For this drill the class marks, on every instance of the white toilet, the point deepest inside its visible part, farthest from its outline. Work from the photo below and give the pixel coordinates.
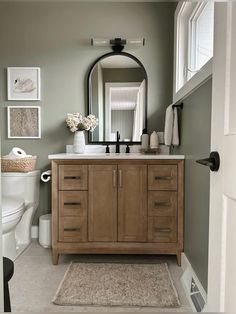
(20, 199)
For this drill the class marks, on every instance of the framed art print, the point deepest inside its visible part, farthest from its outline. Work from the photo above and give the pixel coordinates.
(24, 121)
(23, 83)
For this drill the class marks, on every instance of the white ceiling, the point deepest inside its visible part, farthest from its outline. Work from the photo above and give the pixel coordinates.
(124, 98)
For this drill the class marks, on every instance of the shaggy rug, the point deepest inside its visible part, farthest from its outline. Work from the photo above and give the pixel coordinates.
(113, 284)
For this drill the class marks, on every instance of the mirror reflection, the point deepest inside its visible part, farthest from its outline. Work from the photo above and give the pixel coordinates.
(117, 96)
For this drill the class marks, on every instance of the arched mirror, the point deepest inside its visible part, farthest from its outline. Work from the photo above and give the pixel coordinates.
(117, 96)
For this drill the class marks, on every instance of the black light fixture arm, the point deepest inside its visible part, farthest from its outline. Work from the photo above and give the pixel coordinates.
(118, 44)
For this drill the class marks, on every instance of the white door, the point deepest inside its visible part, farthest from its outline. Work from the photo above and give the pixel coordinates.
(139, 113)
(222, 232)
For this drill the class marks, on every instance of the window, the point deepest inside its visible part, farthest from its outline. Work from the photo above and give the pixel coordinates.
(201, 28)
(194, 30)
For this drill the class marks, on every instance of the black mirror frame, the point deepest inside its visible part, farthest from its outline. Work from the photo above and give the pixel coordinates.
(89, 95)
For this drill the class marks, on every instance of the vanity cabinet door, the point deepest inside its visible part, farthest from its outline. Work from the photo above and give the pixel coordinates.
(132, 203)
(102, 207)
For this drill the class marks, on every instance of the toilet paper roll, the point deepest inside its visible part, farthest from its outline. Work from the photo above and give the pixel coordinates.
(17, 152)
(46, 176)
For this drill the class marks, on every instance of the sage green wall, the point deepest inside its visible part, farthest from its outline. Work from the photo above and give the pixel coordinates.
(195, 130)
(56, 37)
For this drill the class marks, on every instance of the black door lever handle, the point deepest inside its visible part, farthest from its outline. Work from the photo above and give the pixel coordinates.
(213, 162)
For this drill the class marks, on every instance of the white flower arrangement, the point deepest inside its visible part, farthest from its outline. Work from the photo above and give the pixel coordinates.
(76, 122)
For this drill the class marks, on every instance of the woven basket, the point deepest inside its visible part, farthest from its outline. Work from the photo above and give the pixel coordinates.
(25, 164)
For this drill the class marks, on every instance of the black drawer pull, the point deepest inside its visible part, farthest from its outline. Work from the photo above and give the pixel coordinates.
(162, 204)
(72, 229)
(72, 177)
(72, 203)
(162, 178)
(163, 230)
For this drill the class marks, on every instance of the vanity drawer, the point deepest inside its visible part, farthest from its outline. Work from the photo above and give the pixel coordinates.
(162, 229)
(162, 177)
(73, 177)
(73, 203)
(162, 203)
(73, 229)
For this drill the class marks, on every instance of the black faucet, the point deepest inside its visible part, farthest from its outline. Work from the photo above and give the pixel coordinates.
(117, 142)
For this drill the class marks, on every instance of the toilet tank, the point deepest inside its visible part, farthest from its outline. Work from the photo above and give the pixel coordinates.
(24, 185)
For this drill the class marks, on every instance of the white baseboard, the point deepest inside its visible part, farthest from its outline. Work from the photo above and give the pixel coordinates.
(34, 232)
(186, 279)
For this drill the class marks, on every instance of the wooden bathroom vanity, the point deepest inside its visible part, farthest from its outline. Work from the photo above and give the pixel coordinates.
(117, 204)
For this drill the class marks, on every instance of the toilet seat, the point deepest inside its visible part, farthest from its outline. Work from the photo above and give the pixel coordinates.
(12, 208)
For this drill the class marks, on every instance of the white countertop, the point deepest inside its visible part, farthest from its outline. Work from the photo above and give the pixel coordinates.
(112, 156)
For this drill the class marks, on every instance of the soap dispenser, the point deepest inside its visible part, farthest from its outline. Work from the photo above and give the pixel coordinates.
(154, 141)
(144, 139)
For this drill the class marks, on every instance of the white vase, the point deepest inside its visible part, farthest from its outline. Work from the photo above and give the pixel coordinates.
(79, 142)
(154, 141)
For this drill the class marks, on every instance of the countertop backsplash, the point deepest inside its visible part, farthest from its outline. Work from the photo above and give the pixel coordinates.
(164, 150)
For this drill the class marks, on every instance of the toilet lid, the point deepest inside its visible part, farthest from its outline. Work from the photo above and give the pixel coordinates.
(11, 205)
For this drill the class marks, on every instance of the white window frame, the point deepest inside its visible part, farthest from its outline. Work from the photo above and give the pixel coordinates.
(186, 79)
(193, 28)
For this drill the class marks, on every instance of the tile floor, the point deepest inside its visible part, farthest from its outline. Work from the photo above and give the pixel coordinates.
(36, 280)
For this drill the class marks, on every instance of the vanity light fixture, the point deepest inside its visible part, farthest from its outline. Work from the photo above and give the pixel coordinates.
(117, 44)
(100, 42)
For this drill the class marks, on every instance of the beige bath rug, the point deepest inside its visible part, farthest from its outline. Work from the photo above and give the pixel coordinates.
(112, 284)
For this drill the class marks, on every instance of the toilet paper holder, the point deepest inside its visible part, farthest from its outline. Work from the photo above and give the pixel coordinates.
(46, 176)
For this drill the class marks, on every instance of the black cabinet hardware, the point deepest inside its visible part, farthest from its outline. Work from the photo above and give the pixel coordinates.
(164, 230)
(162, 178)
(72, 229)
(163, 204)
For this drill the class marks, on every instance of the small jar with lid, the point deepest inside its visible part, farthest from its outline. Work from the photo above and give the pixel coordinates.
(144, 139)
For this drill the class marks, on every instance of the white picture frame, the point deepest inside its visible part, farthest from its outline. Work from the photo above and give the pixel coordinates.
(24, 122)
(23, 83)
